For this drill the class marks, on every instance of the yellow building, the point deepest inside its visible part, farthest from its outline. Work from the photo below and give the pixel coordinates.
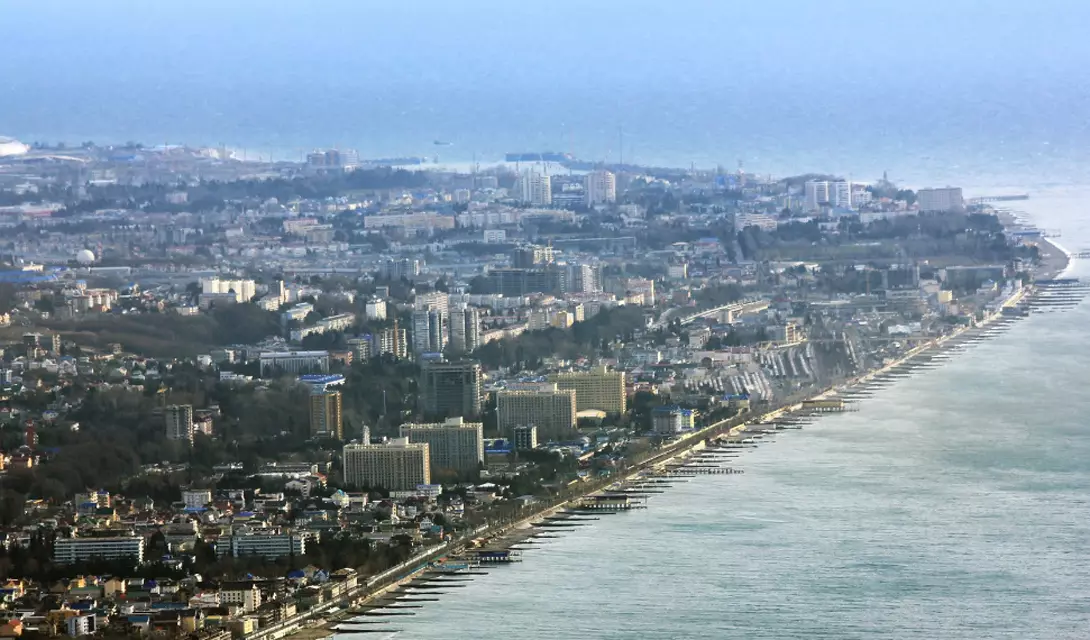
(398, 465)
(553, 411)
(453, 444)
(325, 414)
(598, 388)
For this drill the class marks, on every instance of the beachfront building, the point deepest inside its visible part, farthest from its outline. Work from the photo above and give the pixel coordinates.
(552, 410)
(397, 465)
(672, 420)
(945, 200)
(454, 444)
(600, 389)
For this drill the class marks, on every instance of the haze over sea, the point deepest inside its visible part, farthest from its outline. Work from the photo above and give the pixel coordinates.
(953, 505)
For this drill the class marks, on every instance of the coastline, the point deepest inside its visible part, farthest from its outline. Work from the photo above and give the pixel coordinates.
(1054, 262)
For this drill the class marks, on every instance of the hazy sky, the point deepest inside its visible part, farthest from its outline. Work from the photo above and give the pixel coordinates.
(497, 74)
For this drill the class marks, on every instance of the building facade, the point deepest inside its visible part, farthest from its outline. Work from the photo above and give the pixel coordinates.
(552, 411)
(945, 200)
(524, 437)
(398, 465)
(465, 329)
(325, 413)
(669, 421)
(178, 419)
(600, 188)
(294, 361)
(70, 550)
(599, 389)
(450, 389)
(453, 444)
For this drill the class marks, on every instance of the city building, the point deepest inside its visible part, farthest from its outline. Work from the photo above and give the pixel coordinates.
(196, 498)
(529, 256)
(294, 361)
(450, 388)
(552, 411)
(670, 421)
(512, 283)
(524, 437)
(465, 329)
(70, 550)
(266, 545)
(430, 330)
(945, 200)
(404, 268)
(392, 341)
(242, 290)
(599, 389)
(363, 347)
(325, 413)
(533, 188)
(784, 334)
(453, 444)
(600, 188)
(397, 465)
(375, 309)
(80, 624)
(178, 420)
(821, 193)
(244, 594)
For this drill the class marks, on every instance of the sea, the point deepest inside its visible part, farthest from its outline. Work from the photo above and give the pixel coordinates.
(955, 504)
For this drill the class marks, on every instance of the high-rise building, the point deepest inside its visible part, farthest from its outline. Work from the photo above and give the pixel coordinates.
(375, 309)
(524, 437)
(599, 389)
(600, 188)
(450, 388)
(179, 422)
(553, 411)
(819, 193)
(528, 256)
(519, 282)
(392, 341)
(363, 347)
(404, 268)
(948, 199)
(465, 329)
(430, 331)
(585, 278)
(453, 444)
(815, 194)
(534, 188)
(325, 413)
(397, 465)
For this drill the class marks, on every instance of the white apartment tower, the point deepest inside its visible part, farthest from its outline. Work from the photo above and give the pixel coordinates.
(465, 329)
(534, 188)
(600, 187)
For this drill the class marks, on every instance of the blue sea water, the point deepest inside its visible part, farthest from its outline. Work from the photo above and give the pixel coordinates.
(953, 505)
